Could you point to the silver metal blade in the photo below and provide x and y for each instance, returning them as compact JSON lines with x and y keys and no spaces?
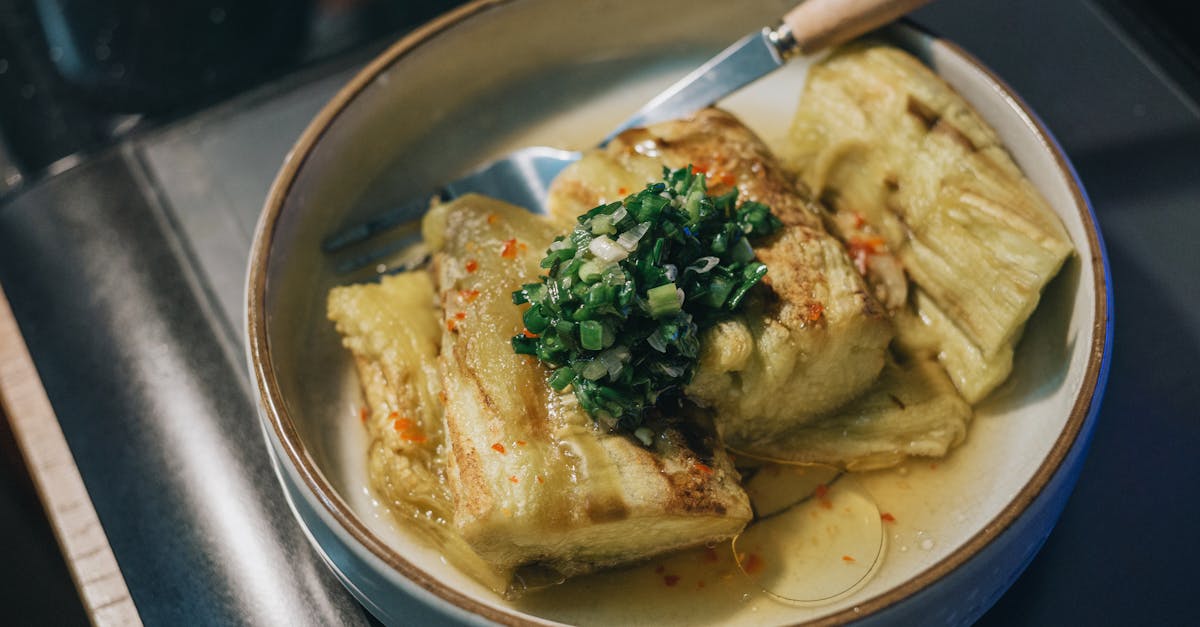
{"x":751,"y":58}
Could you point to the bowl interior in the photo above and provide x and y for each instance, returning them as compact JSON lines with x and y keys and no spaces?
{"x":534,"y":72}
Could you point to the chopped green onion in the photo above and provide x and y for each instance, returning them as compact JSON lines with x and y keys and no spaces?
{"x":663,"y":300}
{"x":653,"y":269}
{"x":591,"y":335}
{"x":561,"y":378}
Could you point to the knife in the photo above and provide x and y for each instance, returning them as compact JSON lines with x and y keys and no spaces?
{"x":810,"y":27}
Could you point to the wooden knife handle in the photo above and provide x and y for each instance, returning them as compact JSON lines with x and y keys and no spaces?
{"x":818,"y":24}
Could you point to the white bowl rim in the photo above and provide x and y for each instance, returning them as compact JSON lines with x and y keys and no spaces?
{"x":275,"y":412}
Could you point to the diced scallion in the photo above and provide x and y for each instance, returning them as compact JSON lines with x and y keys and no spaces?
{"x":651,"y":270}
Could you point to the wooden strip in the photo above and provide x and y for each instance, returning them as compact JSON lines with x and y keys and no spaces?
{"x":52,"y":467}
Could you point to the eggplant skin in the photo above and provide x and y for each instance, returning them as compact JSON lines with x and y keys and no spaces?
{"x":536,"y":484}
{"x":880,"y":137}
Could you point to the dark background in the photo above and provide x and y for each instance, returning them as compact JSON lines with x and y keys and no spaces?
{"x":76,"y":76}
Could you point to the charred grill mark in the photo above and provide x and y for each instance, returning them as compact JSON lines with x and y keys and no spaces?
{"x":923,"y":112}
{"x":949,"y":130}
{"x":935,"y":123}
{"x":466,"y":458}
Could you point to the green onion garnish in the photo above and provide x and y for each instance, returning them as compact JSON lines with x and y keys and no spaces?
{"x":627,"y":291}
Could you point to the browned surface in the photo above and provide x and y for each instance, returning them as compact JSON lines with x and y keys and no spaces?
{"x":731,"y":154}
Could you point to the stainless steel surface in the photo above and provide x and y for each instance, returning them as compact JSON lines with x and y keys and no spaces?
{"x":213,"y":171}
{"x":155,"y":406}
{"x":127,"y":288}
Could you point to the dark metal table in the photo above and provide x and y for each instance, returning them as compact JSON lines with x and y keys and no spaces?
{"x":125,"y":273}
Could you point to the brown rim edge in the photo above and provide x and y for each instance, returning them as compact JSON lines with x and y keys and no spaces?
{"x":272,"y":400}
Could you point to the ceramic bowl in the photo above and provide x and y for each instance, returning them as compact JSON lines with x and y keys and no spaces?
{"x":496,"y":75}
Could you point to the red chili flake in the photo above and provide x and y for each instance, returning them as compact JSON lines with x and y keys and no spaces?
{"x":753,"y":564}
{"x":859,"y":220}
{"x":540,"y":479}
{"x":492,"y":218}
{"x":460,"y":315}
{"x":727,"y":179}
{"x":815,"y":311}
{"x":699,"y":169}
{"x":670,"y":580}
{"x":861,"y":248}
{"x":622,"y":191}
{"x":472,"y":265}
{"x":521,"y":442}
{"x":509,"y":251}
{"x":887,"y":517}
{"x":499,"y":448}
{"x":847,"y":559}
{"x":872,"y":244}
{"x":821,"y":490}
{"x":451,"y":325}
{"x":514,"y":479}
{"x":703,"y":468}
{"x":402,"y":424}
{"x":363,"y":412}
{"x":442,"y":396}
{"x":469,"y":295}
{"x":528,"y":333}
{"x":415,"y":438}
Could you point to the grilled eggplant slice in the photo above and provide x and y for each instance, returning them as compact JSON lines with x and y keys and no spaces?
{"x":880,"y":137}
{"x":912,"y":410}
{"x":808,"y":342}
{"x":392,"y":330}
{"x":537,"y":486}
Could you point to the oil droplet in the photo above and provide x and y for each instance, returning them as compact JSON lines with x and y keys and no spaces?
{"x":926,"y":544}
{"x":745,"y":597}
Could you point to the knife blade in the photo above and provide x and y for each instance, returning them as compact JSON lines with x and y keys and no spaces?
{"x":808,"y":28}
{"x":747,"y":60}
